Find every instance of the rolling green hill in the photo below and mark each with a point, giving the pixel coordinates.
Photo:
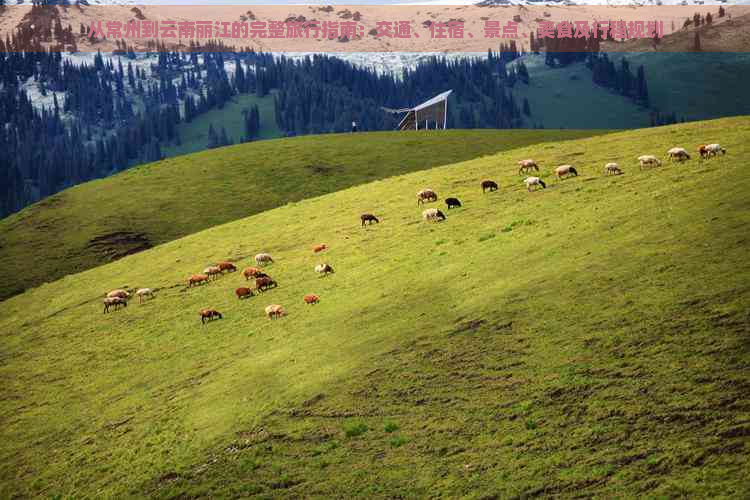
(194, 135)
(102, 220)
(696, 85)
(567, 97)
(589, 339)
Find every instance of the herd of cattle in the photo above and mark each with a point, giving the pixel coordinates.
(263, 282)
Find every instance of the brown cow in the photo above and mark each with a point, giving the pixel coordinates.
(243, 292)
(311, 298)
(320, 248)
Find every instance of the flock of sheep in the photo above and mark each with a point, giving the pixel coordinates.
(561, 172)
(263, 282)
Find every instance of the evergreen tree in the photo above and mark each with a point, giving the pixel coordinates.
(213, 139)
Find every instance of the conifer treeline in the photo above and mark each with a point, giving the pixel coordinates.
(92, 120)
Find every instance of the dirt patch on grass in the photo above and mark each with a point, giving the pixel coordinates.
(116, 245)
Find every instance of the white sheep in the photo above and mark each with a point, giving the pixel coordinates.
(115, 302)
(679, 154)
(142, 293)
(263, 258)
(649, 161)
(534, 181)
(527, 166)
(214, 271)
(433, 214)
(612, 169)
(565, 170)
(714, 149)
(275, 311)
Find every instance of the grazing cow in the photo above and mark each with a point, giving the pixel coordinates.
(243, 292)
(275, 311)
(115, 302)
(264, 283)
(452, 202)
(678, 154)
(197, 279)
(703, 151)
(323, 269)
(209, 314)
(263, 258)
(143, 293)
(119, 293)
(212, 271)
(534, 181)
(253, 272)
(565, 170)
(226, 266)
(433, 214)
(612, 169)
(320, 248)
(311, 298)
(491, 185)
(526, 166)
(649, 161)
(368, 219)
(425, 196)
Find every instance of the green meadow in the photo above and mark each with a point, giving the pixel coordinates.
(99, 221)
(589, 339)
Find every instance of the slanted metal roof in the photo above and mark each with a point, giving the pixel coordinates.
(434, 100)
(411, 113)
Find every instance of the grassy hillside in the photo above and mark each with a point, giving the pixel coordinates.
(98, 221)
(194, 135)
(718, 88)
(589, 339)
(567, 97)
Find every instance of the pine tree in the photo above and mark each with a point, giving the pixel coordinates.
(526, 107)
(213, 139)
